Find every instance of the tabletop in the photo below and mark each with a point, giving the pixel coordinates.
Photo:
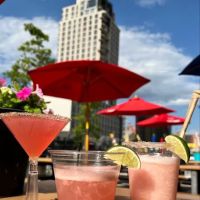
(190, 166)
(121, 194)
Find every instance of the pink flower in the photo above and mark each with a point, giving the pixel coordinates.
(2, 82)
(24, 93)
(38, 91)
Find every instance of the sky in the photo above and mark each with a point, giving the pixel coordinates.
(158, 38)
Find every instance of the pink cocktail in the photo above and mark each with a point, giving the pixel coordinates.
(84, 175)
(34, 132)
(158, 176)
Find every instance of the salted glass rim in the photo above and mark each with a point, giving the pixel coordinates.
(143, 144)
(37, 115)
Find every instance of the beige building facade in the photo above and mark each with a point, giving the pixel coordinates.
(87, 31)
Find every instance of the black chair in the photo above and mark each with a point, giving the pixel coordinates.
(13, 163)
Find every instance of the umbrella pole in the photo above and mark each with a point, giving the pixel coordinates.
(87, 126)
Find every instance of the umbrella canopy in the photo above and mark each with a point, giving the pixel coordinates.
(193, 68)
(1, 1)
(161, 120)
(135, 106)
(86, 81)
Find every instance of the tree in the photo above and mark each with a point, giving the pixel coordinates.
(33, 55)
(79, 129)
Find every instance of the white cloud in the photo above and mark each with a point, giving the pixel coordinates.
(149, 3)
(149, 54)
(153, 56)
(12, 35)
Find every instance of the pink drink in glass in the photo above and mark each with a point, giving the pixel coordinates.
(86, 183)
(85, 178)
(158, 176)
(34, 132)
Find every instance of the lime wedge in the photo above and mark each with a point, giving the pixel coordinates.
(178, 146)
(128, 159)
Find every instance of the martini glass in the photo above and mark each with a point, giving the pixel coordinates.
(34, 132)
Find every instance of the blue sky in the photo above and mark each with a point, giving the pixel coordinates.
(158, 39)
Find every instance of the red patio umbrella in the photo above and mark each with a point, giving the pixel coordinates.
(161, 120)
(86, 81)
(1, 1)
(135, 106)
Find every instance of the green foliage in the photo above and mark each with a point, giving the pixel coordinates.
(33, 55)
(79, 129)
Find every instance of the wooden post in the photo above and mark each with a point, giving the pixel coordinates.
(87, 126)
(191, 107)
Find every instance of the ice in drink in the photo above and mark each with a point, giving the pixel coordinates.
(86, 182)
(156, 180)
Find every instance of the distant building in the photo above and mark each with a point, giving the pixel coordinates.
(87, 31)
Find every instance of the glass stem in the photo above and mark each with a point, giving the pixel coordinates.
(32, 184)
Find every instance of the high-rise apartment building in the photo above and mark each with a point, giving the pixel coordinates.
(88, 31)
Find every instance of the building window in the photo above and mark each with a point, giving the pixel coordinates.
(91, 3)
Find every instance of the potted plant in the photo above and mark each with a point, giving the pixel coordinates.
(13, 159)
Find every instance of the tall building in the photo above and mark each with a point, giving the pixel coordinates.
(87, 31)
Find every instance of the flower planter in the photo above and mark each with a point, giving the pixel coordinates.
(13, 161)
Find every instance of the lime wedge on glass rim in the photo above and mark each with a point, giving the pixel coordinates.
(178, 146)
(129, 158)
